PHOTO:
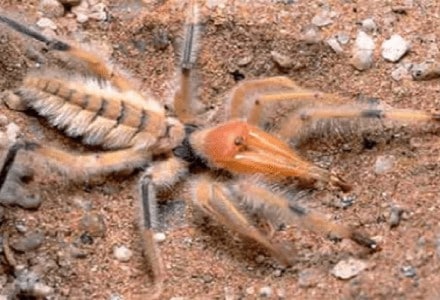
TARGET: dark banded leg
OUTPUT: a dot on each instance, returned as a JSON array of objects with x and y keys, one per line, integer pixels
[
  {"x": 184, "y": 96},
  {"x": 95, "y": 64},
  {"x": 148, "y": 228},
  {"x": 160, "y": 175}
]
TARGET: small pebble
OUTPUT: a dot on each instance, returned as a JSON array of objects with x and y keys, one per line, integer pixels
[
  {"x": 362, "y": 53},
  {"x": 46, "y": 23},
  {"x": 31, "y": 241},
  {"x": 266, "y": 292},
  {"x": 384, "y": 164},
  {"x": 259, "y": 259},
  {"x": 116, "y": 297},
  {"x": 334, "y": 44},
  {"x": 394, "y": 48},
  {"x": 395, "y": 216},
  {"x": 159, "y": 237},
  {"x": 322, "y": 19},
  {"x": 81, "y": 18},
  {"x": 308, "y": 278},
  {"x": 94, "y": 224},
  {"x": 41, "y": 290},
  {"x": 281, "y": 60},
  {"x": 51, "y": 8},
  {"x": 368, "y": 25},
  {"x": 409, "y": 271},
  {"x": 229, "y": 293},
  {"x": 311, "y": 35},
  {"x": 250, "y": 290},
  {"x": 29, "y": 201},
  {"x": 349, "y": 268},
  {"x": 399, "y": 73},
  {"x": 122, "y": 253},
  {"x": 244, "y": 61},
  {"x": 343, "y": 38},
  {"x": 12, "y": 131}
]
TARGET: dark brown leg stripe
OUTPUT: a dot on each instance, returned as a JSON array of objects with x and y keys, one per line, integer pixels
[
  {"x": 146, "y": 207},
  {"x": 85, "y": 102},
  {"x": 10, "y": 158},
  {"x": 143, "y": 121},
  {"x": 363, "y": 240},
  {"x": 122, "y": 114},
  {"x": 373, "y": 113}
]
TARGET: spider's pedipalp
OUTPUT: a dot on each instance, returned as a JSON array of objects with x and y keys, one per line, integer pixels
[
  {"x": 241, "y": 148},
  {"x": 217, "y": 201}
]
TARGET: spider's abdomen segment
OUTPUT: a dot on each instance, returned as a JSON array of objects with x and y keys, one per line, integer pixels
[{"x": 96, "y": 112}]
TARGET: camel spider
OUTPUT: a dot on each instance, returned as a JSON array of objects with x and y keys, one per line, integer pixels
[{"x": 105, "y": 110}]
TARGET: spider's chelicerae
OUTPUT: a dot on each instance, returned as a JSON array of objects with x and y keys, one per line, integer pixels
[{"x": 137, "y": 132}]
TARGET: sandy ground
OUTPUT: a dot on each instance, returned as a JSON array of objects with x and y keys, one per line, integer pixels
[{"x": 204, "y": 260}]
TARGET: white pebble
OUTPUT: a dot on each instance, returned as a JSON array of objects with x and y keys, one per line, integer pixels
[
  {"x": 159, "y": 237},
  {"x": 81, "y": 18},
  {"x": 322, "y": 19},
  {"x": 46, "y": 23},
  {"x": 395, "y": 48},
  {"x": 334, "y": 44},
  {"x": 122, "y": 253},
  {"x": 384, "y": 164},
  {"x": 12, "y": 131},
  {"x": 349, "y": 268},
  {"x": 363, "y": 50},
  {"x": 368, "y": 25},
  {"x": 343, "y": 38},
  {"x": 51, "y": 8},
  {"x": 266, "y": 291}
]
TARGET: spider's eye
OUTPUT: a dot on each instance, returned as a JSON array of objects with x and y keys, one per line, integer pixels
[{"x": 239, "y": 140}]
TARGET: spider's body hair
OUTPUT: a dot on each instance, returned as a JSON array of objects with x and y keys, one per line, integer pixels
[{"x": 95, "y": 111}]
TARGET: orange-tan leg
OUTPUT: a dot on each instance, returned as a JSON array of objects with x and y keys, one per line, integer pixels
[
  {"x": 306, "y": 115},
  {"x": 249, "y": 98},
  {"x": 276, "y": 205},
  {"x": 80, "y": 166},
  {"x": 216, "y": 201}
]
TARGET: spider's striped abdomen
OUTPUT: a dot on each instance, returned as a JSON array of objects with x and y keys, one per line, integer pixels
[{"x": 97, "y": 112}]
